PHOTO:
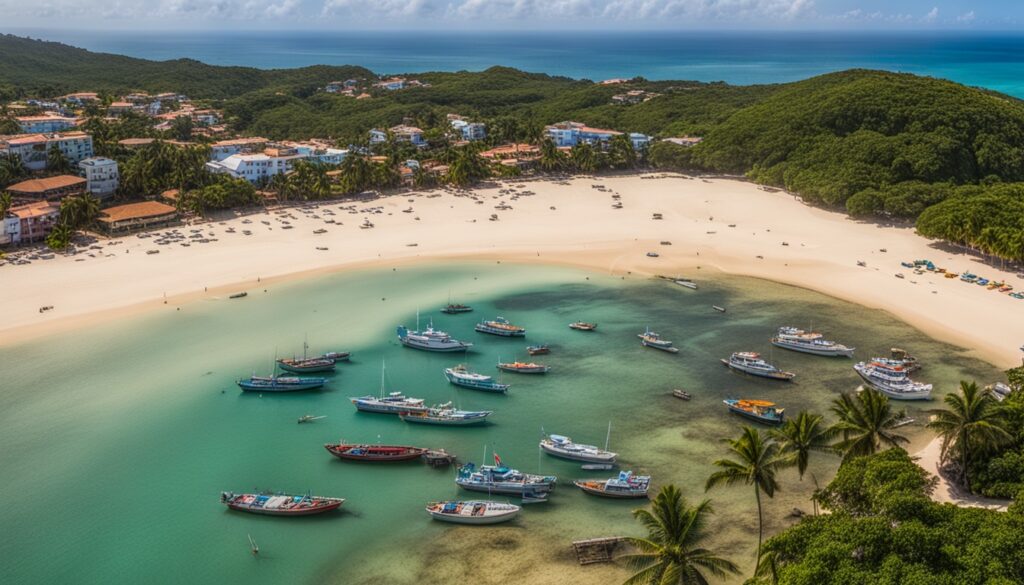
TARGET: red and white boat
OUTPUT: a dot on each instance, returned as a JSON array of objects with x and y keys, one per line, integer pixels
[
  {"x": 280, "y": 504},
  {"x": 353, "y": 452}
]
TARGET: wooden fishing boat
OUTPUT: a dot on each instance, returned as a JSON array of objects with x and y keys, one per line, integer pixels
[
  {"x": 583, "y": 326},
  {"x": 523, "y": 367},
  {"x": 538, "y": 349},
  {"x": 681, "y": 394},
  {"x": 626, "y": 485},
  {"x": 476, "y": 512},
  {"x": 761, "y": 411},
  {"x": 375, "y": 453},
  {"x": 270, "y": 504},
  {"x": 455, "y": 308}
]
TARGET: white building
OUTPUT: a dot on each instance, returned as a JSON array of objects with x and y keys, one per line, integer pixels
[
  {"x": 45, "y": 123},
  {"x": 10, "y": 229},
  {"x": 319, "y": 153},
  {"x": 101, "y": 176},
  {"x": 34, "y": 148},
  {"x": 573, "y": 133},
  {"x": 225, "y": 148},
  {"x": 256, "y": 168},
  {"x": 470, "y": 130}
]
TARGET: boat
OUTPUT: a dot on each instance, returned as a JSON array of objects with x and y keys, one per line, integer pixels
[
  {"x": 718, "y": 308},
  {"x": 910, "y": 363},
  {"x": 277, "y": 383},
  {"x": 240, "y": 295},
  {"x": 596, "y": 466},
  {"x": 564, "y": 448},
  {"x": 626, "y": 485},
  {"x": 309, "y": 418},
  {"x": 455, "y": 308},
  {"x": 538, "y": 349},
  {"x": 651, "y": 339},
  {"x": 750, "y": 362},
  {"x": 523, "y": 367},
  {"x": 431, "y": 339},
  {"x": 681, "y": 394},
  {"x": 501, "y": 327},
  {"x": 270, "y": 504},
  {"x": 761, "y": 411},
  {"x": 253, "y": 547},
  {"x": 653, "y": 254},
  {"x": 891, "y": 378},
  {"x": 306, "y": 365},
  {"x": 686, "y": 283},
  {"x": 379, "y": 453},
  {"x": 445, "y": 415},
  {"x": 461, "y": 376},
  {"x": 337, "y": 356},
  {"x": 475, "y": 512},
  {"x": 809, "y": 342},
  {"x": 583, "y": 326},
  {"x": 393, "y": 403},
  {"x": 1001, "y": 390},
  {"x": 498, "y": 479}
]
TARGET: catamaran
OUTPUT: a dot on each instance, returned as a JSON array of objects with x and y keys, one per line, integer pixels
[
  {"x": 476, "y": 512},
  {"x": 563, "y": 447},
  {"x": 890, "y": 377},
  {"x": 279, "y": 504},
  {"x": 626, "y": 485},
  {"x": 761, "y": 411},
  {"x": 277, "y": 383},
  {"x": 809, "y": 342},
  {"x": 498, "y": 479},
  {"x": 444, "y": 414},
  {"x": 500, "y": 327},
  {"x": 651, "y": 339},
  {"x": 750, "y": 362},
  {"x": 461, "y": 376}
]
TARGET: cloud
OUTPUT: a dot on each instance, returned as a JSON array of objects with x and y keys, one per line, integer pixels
[
  {"x": 966, "y": 17},
  {"x": 932, "y": 15}
]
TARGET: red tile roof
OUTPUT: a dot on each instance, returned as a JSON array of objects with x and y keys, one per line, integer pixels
[{"x": 47, "y": 184}]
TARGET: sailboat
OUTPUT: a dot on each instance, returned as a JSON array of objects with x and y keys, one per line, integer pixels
[
  {"x": 392, "y": 403},
  {"x": 306, "y": 365},
  {"x": 455, "y": 308},
  {"x": 563, "y": 447}
]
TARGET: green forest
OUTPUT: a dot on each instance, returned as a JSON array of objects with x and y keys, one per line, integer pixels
[{"x": 878, "y": 145}]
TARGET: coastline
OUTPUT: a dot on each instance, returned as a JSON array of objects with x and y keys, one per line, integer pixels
[
  {"x": 945, "y": 491},
  {"x": 714, "y": 225}
]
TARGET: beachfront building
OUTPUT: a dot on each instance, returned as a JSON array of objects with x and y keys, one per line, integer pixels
[
  {"x": 318, "y": 152},
  {"x": 519, "y": 155},
  {"x": 470, "y": 131},
  {"x": 639, "y": 141},
  {"x": 225, "y": 148},
  {"x": 257, "y": 167},
  {"x": 9, "y": 229},
  {"x": 35, "y": 220},
  {"x": 131, "y": 217},
  {"x": 100, "y": 175},
  {"x": 45, "y": 124},
  {"x": 47, "y": 189},
  {"x": 400, "y": 133},
  {"x": 569, "y": 134}
]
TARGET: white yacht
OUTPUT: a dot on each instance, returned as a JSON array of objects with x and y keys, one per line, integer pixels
[
  {"x": 890, "y": 378},
  {"x": 809, "y": 342}
]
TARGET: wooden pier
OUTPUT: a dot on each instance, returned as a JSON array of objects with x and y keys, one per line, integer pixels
[{"x": 596, "y": 550}]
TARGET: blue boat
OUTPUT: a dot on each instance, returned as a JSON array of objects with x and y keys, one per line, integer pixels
[
  {"x": 761, "y": 411},
  {"x": 280, "y": 383},
  {"x": 460, "y": 376}
]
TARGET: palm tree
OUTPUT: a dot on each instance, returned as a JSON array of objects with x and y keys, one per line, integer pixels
[
  {"x": 802, "y": 435},
  {"x": 12, "y": 167},
  {"x": 59, "y": 237},
  {"x": 551, "y": 158},
  {"x": 584, "y": 158},
  {"x": 56, "y": 161},
  {"x": 971, "y": 425},
  {"x": 671, "y": 553},
  {"x": 757, "y": 460},
  {"x": 621, "y": 153},
  {"x": 866, "y": 423},
  {"x": 5, "y": 203}
]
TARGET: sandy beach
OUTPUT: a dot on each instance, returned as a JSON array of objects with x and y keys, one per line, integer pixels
[{"x": 707, "y": 226}]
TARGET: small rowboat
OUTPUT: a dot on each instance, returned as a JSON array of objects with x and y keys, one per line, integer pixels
[
  {"x": 717, "y": 308},
  {"x": 240, "y": 295},
  {"x": 583, "y": 326},
  {"x": 681, "y": 394},
  {"x": 538, "y": 349},
  {"x": 473, "y": 512},
  {"x": 523, "y": 368},
  {"x": 380, "y": 453},
  {"x": 309, "y": 418},
  {"x": 270, "y": 504}
]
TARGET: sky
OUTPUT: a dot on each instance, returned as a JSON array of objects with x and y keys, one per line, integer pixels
[{"x": 513, "y": 14}]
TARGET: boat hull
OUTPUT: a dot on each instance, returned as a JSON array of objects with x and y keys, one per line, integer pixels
[
  {"x": 458, "y": 422},
  {"x": 509, "y": 489},
  {"x": 664, "y": 348},
  {"x": 438, "y": 348},
  {"x": 754, "y": 417},
  {"x": 305, "y": 369},
  {"x": 572, "y": 456},
  {"x": 895, "y": 394},
  {"x": 844, "y": 352},
  {"x": 500, "y": 332},
  {"x": 385, "y": 409},
  {"x": 247, "y": 387},
  {"x": 404, "y": 456},
  {"x": 497, "y": 518},
  {"x": 540, "y": 370},
  {"x": 595, "y": 491},
  {"x": 301, "y": 512},
  {"x": 490, "y": 386},
  {"x": 780, "y": 376}
]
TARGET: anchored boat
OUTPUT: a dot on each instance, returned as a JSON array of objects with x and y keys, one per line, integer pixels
[
  {"x": 523, "y": 367},
  {"x": 461, "y": 376},
  {"x": 393, "y": 403},
  {"x": 891, "y": 378},
  {"x": 538, "y": 349},
  {"x": 583, "y": 326},
  {"x": 280, "y": 383},
  {"x": 626, "y": 485},
  {"x": 446, "y": 415},
  {"x": 761, "y": 411},
  {"x": 431, "y": 339},
  {"x": 750, "y": 362},
  {"x": 280, "y": 504},
  {"x": 809, "y": 342},
  {"x": 306, "y": 365},
  {"x": 498, "y": 479},
  {"x": 564, "y": 448},
  {"x": 475, "y": 512},
  {"x": 377, "y": 453},
  {"x": 455, "y": 308},
  {"x": 651, "y": 339},
  {"x": 500, "y": 327}
]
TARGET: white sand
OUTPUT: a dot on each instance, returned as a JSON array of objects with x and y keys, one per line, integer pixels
[
  {"x": 583, "y": 230},
  {"x": 946, "y": 492}
]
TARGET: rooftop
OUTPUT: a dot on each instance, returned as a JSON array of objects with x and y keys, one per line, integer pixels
[
  {"x": 140, "y": 210},
  {"x": 240, "y": 141},
  {"x": 35, "y": 209},
  {"x": 45, "y": 118},
  {"x": 47, "y": 184},
  {"x": 96, "y": 161}
]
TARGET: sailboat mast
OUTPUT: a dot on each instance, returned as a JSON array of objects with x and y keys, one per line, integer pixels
[
  {"x": 382, "y": 379},
  {"x": 608, "y": 436}
]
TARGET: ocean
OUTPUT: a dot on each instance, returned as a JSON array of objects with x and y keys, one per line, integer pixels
[
  {"x": 119, "y": 438},
  {"x": 991, "y": 60}
]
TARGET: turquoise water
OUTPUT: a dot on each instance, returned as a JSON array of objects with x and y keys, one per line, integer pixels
[
  {"x": 988, "y": 59},
  {"x": 118, "y": 439}
]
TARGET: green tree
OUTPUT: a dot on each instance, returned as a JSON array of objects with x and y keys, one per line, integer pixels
[
  {"x": 80, "y": 210},
  {"x": 756, "y": 461},
  {"x": 621, "y": 153},
  {"x": 56, "y": 161},
  {"x": 584, "y": 158},
  {"x": 672, "y": 554},
  {"x": 467, "y": 167},
  {"x": 11, "y": 168},
  {"x": 356, "y": 173},
  {"x": 971, "y": 425},
  {"x": 551, "y": 159},
  {"x": 799, "y": 437},
  {"x": 866, "y": 423},
  {"x": 59, "y": 237},
  {"x": 5, "y": 203}
]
